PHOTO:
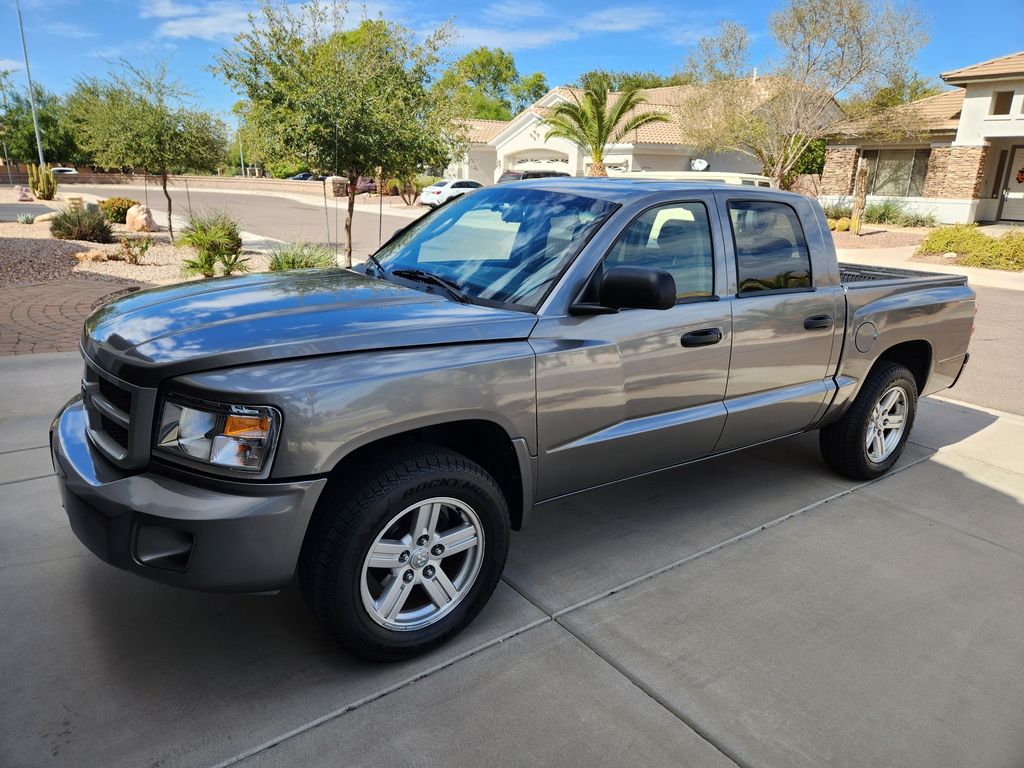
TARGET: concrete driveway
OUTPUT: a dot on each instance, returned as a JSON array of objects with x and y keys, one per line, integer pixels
[{"x": 753, "y": 610}]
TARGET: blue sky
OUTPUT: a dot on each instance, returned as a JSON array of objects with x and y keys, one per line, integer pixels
[{"x": 70, "y": 38}]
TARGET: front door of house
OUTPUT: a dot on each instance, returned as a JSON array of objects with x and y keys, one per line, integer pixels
[{"x": 1013, "y": 194}]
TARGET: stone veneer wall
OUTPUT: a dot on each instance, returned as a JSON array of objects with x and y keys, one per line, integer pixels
[
  {"x": 840, "y": 169},
  {"x": 955, "y": 172}
]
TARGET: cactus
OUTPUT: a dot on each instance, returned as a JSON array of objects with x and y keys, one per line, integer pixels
[{"x": 42, "y": 182}]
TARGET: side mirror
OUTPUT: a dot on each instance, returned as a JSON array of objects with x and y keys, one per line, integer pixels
[{"x": 637, "y": 288}]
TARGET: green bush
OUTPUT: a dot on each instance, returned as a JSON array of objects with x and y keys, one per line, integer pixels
[
  {"x": 133, "y": 250},
  {"x": 885, "y": 212},
  {"x": 284, "y": 169},
  {"x": 831, "y": 224},
  {"x": 81, "y": 225},
  {"x": 975, "y": 248},
  {"x": 911, "y": 219},
  {"x": 26, "y": 218},
  {"x": 116, "y": 208},
  {"x": 843, "y": 224},
  {"x": 217, "y": 242},
  {"x": 838, "y": 211},
  {"x": 302, "y": 256}
]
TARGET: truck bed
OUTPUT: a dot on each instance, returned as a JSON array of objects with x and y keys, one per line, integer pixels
[{"x": 852, "y": 274}]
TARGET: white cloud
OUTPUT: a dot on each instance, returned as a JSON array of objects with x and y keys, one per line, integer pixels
[
  {"x": 69, "y": 31},
  {"x": 215, "y": 23},
  {"x": 167, "y": 9},
  {"x": 10, "y": 65},
  {"x": 502, "y": 14},
  {"x": 512, "y": 39},
  {"x": 623, "y": 19}
]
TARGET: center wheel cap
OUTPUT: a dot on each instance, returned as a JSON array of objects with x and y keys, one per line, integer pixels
[{"x": 419, "y": 558}]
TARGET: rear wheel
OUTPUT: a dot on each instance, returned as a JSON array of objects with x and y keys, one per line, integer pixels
[
  {"x": 402, "y": 561},
  {"x": 870, "y": 437}
]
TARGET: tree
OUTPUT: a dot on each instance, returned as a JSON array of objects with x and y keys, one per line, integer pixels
[
  {"x": 595, "y": 121},
  {"x": 827, "y": 50},
  {"x": 59, "y": 144},
  {"x": 616, "y": 80},
  {"x": 350, "y": 103},
  {"x": 898, "y": 88},
  {"x": 139, "y": 119},
  {"x": 486, "y": 84}
]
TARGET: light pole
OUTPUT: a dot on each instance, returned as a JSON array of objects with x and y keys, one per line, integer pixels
[
  {"x": 241, "y": 157},
  {"x": 7, "y": 160},
  {"x": 31, "y": 94}
]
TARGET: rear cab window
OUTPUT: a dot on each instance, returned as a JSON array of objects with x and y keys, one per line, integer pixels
[{"x": 771, "y": 250}]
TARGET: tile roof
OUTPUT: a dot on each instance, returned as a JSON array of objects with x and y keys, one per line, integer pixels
[
  {"x": 932, "y": 114},
  {"x": 481, "y": 131},
  {"x": 1013, "y": 64}
]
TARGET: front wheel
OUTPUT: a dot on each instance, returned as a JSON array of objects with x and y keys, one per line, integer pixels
[
  {"x": 402, "y": 561},
  {"x": 869, "y": 438}
]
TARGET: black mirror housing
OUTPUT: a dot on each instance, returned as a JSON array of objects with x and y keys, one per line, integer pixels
[{"x": 637, "y": 288}]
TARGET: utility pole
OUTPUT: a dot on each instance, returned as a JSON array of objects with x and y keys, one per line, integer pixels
[
  {"x": 241, "y": 157},
  {"x": 31, "y": 94},
  {"x": 7, "y": 160}
]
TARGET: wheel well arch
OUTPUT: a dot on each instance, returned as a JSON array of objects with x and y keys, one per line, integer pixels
[
  {"x": 485, "y": 442},
  {"x": 915, "y": 355}
]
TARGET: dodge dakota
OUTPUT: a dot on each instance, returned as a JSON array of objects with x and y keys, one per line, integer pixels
[{"x": 377, "y": 432}]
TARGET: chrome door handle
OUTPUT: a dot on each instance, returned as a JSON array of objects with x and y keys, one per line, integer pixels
[
  {"x": 818, "y": 321},
  {"x": 702, "y": 337}
]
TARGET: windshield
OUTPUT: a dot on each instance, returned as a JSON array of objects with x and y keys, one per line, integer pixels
[{"x": 499, "y": 244}]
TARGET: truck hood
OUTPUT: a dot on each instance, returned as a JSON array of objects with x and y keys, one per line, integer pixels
[{"x": 147, "y": 336}]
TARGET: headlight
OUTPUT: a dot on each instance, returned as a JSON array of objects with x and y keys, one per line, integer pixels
[{"x": 238, "y": 437}]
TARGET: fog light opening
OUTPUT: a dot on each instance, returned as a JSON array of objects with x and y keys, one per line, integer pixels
[{"x": 166, "y": 548}]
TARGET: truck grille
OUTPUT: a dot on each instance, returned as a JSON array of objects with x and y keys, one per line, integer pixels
[{"x": 120, "y": 416}]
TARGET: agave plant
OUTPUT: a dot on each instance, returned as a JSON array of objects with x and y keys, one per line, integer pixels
[{"x": 595, "y": 121}]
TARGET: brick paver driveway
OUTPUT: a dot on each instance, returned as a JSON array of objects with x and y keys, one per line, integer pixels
[{"x": 47, "y": 317}]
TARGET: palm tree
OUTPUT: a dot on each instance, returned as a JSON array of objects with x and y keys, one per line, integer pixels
[{"x": 593, "y": 123}]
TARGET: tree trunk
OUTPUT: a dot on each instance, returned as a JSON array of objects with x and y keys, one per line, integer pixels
[
  {"x": 860, "y": 197},
  {"x": 352, "y": 181},
  {"x": 170, "y": 225},
  {"x": 597, "y": 169}
]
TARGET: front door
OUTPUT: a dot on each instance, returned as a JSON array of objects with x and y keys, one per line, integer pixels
[
  {"x": 1013, "y": 193},
  {"x": 623, "y": 394}
]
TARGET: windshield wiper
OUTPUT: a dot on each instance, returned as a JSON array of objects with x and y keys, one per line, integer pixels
[
  {"x": 380, "y": 268},
  {"x": 422, "y": 276}
]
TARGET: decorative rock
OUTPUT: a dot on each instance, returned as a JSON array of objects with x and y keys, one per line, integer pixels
[
  {"x": 93, "y": 255},
  {"x": 47, "y": 216},
  {"x": 24, "y": 195},
  {"x": 946, "y": 255},
  {"x": 140, "y": 219}
]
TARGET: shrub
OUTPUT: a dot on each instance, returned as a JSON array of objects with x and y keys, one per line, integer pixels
[
  {"x": 838, "y": 211},
  {"x": 831, "y": 224},
  {"x": 884, "y": 212},
  {"x": 302, "y": 256},
  {"x": 81, "y": 225},
  {"x": 975, "y": 248},
  {"x": 133, "y": 250},
  {"x": 911, "y": 219},
  {"x": 843, "y": 224},
  {"x": 216, "y": 240},
  {"x": 283, "y": 169},
  {"x": 26, "y": 218},
  {"x": 41, "y": 182},
  {"x": 116, "y": 208}
]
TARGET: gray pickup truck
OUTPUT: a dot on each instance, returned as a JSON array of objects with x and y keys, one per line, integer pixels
[{"x": 379, "y": 431}]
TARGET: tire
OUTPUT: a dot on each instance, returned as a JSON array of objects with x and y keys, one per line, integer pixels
[
  {"x": 845, "y": 444},
  {"x": 395, "y": 611}
]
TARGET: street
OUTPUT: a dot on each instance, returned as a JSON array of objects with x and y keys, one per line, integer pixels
[{"x": 280, "y": 218}]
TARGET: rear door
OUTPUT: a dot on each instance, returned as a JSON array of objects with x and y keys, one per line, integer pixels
[
  {"x": 623, "y": 394},
  {"x": 784, "y": 317}
]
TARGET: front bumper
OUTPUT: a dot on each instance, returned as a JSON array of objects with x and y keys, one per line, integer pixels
[{"x": 214, "y": 535}]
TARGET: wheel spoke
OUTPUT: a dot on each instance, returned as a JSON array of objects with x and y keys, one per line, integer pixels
[
  {"x": 440, "y": 588},
  {"x": 870, "y": 439},
  {"x": 895, "y": 421},
  {"x": 426, "y": 520},
  {"x": 878, "y": 448},
  {"x": 391, "y": 600},
  {"x": 457, "y": 540},
  {"x": 385, "y": 554},
  {"x": 889, "y": 400}
]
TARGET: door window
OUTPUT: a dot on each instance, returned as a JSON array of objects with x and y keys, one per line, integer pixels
[
  {"x": 676, "y": 238},
  {"x": 771, "y": 252}
]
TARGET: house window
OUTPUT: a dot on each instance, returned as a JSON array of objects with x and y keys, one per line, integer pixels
[
  {"x": 1001, "y": 101},
  {"x": 897, "y": 172}
]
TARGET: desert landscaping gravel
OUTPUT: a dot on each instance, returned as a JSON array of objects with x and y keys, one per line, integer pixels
[{"x": 874, "y": 237}]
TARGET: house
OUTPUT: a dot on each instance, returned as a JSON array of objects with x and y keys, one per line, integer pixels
[
  {"x": 964, "y": 161},
  {"x": 519, "y": 144}
]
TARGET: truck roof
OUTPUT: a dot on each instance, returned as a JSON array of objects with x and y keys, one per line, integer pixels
[{"x": 620, "y": 190}]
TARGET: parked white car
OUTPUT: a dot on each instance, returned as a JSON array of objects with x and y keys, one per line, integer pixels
[
  {"x": 443, "y": 191},
  {"x": 61, "y": 171}
]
